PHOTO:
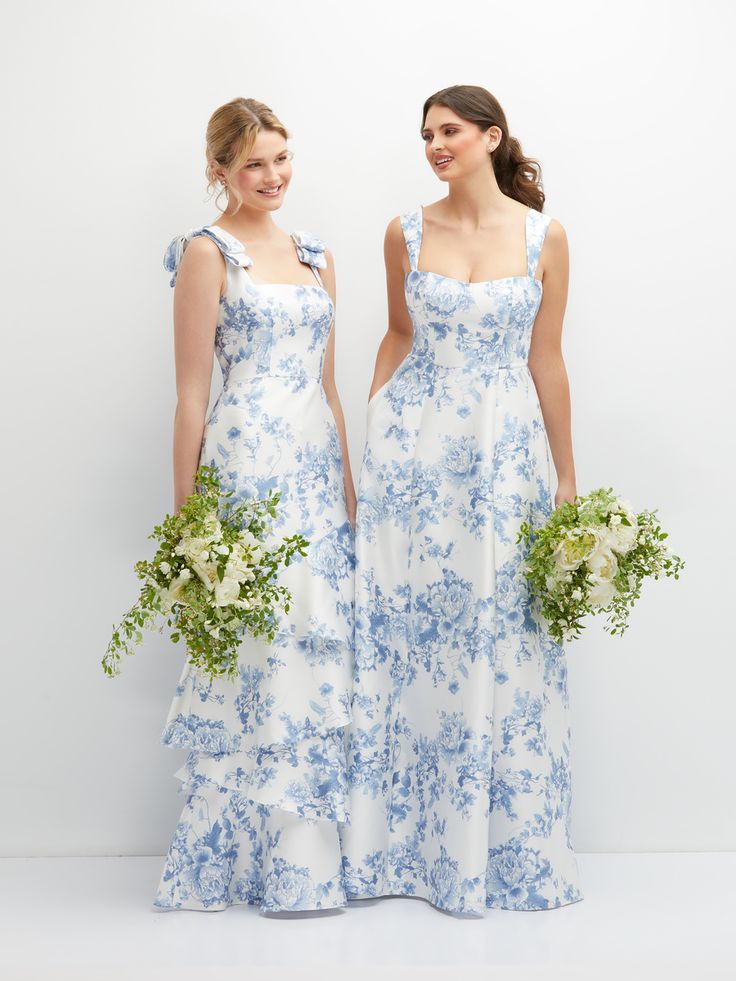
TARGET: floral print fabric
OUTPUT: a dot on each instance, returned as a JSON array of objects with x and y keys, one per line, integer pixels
[
  {"x": 458, "y": 754},
  {"x": 265, "y": 775}
]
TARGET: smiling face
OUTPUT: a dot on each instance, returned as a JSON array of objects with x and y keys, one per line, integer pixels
[
  {"x": 265, "y": 175},
  {"x": 456, "y": 147}
]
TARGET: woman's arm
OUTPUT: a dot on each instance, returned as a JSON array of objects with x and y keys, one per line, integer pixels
[
  {"x": 199, "y": 283},
  {"x": 333, "y": 399},
  {"x": 399, "y": 336},
  {"x": 546, "y": 363}
]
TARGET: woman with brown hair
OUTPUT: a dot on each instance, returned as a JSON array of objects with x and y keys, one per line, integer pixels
[
  {"x": 265, "y": 774},
  {"x": 459, "y": 746}
]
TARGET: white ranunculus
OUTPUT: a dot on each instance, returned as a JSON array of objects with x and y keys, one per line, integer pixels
[
  {"x": 165, "y": 568},
  {"x": 193, "y": 549}
]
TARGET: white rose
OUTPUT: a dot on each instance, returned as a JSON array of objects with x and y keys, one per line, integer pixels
[
  {"x": 213, "y": 527},
  {"x": 573, "y": 549},
  {"x": 564, "y": 555},
  {"x": 207, "y": 572},
  {"x": 174, "y": 592},
  {"x": 624, "y": 537},
  {"x": 165, "y": 568},
  {"x": 605, "y": 539},
  {"x": 603, "y": 563},
  {"x": 601, "y": 592},
  {"x": 227, "y": 591}
]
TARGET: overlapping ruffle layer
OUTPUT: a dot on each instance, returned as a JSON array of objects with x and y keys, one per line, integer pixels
[
  {"x": 307, "y": 777},
  {"x": 228, "y": 849}
]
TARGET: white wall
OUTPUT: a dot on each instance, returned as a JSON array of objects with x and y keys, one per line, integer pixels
[{"x": 628, "y": 110}]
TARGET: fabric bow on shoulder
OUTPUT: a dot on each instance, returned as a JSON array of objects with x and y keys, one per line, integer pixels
[
  {"x": 310, "y": 249},
  {"x": 232, "y": 249}
]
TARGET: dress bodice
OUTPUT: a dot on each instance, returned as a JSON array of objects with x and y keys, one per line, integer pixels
[
  {"x": 482, "y": 325},
  {"x": 266, "y": 329}
]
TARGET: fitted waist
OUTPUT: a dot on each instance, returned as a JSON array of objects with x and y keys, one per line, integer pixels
[
  {"x": 462, "y": 362},
  {"x": 245, "y": 373}
]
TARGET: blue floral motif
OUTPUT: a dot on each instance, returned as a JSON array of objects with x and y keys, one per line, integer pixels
[
  {"x": 458, "y": 755},
  {"x": 266, "y": 767},
  {"x": 209, "y": 736},
  {"x": 333, "y": 556}
]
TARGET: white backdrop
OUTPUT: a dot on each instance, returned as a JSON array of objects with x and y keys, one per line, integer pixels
[{"x": 105, "y": 108}]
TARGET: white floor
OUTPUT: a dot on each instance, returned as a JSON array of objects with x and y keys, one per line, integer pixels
[{"x": 644, "y": 915}]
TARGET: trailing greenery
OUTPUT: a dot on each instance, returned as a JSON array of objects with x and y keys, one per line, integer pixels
[
  {"x": 592, "y": 556},
  {"x": 212, "y": 579}
]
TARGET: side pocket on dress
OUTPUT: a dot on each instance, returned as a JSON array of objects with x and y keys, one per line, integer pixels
[{"x": 379, "y": 391}]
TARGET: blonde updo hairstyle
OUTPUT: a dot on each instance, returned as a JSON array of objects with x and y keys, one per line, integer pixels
[{"x": 231, "y": 133}]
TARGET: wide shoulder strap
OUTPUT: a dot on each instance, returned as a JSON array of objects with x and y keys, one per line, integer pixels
[
  {"x": 411, "y": 226},
  {"x": 232, "y": 248},
  {"x": 537, "y": 225}
]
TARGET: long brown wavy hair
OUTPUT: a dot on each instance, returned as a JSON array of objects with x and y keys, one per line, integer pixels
[{"x": 517, "y": 175}]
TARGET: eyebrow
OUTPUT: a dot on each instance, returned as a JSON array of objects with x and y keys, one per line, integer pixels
[
  {"x": 428, "y": 130},
  {"x": 260, "y": 159}
]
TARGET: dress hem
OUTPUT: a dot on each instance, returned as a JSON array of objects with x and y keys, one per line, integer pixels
[{"x": 476, "y": 910}]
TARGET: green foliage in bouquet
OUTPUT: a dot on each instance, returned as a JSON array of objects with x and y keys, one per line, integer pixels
[
  {"x": 592, "y": 556},
  {"x": 211, "y": 578}
]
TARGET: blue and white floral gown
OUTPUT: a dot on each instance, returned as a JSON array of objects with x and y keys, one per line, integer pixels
[
  {"x": 459, "y": 749},
  {"x": 265, "y": 775}
]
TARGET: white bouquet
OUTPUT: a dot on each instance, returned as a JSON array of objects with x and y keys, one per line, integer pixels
[
  {"x": 591, "y": 556},
  {"x": 212, "y": 579}
]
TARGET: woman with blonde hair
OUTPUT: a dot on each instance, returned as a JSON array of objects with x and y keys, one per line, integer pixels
[
  {"x": 265, "y": 773},
  {"x": 459, "y": 748}
]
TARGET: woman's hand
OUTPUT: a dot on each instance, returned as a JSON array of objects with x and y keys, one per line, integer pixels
[
  {"x": 566, "y": 491},
  {"x": 352, "y": 503}
]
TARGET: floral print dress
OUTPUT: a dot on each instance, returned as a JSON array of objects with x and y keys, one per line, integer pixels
[
  {"x": 265, "y": 773},
  {"x": 460, "y": 742}
]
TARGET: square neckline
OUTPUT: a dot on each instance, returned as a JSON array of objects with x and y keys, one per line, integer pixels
[
  {"x": 478, "y": 282},
  {"x": 252, "y": 282}
]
